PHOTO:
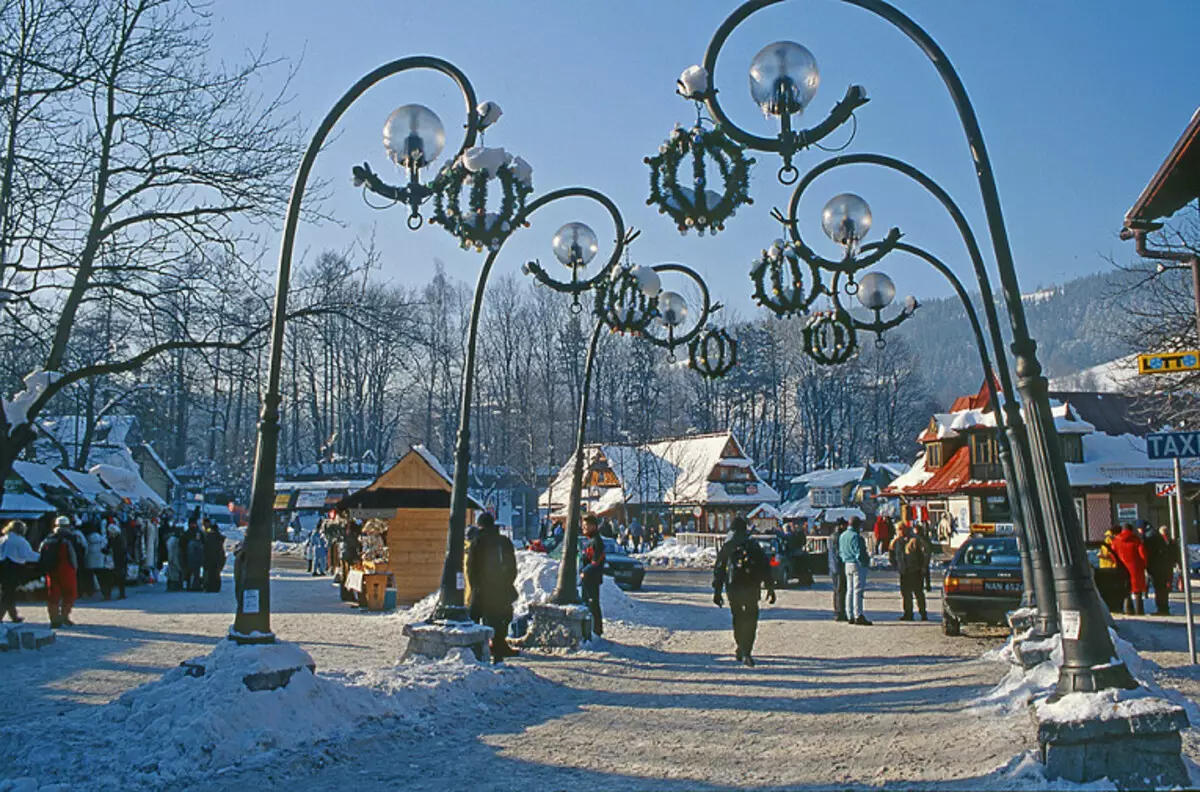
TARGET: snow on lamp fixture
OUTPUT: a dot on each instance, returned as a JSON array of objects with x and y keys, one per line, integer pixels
[
  {"x": 648, "y": 280},
  {"x": 783, "y": 78}
]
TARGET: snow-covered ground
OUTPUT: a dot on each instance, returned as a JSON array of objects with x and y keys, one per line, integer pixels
[
  {"x": 657, "y": 704},
  {"x": 672, "y": 554}
]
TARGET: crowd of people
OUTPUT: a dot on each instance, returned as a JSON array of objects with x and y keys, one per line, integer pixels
[
  {"x": 1129, "y": 556},
  {"x": 97, "y": 555}
]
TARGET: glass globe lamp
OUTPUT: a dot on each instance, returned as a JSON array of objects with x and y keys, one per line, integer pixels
[
  {"x": 846, "y": 219},
  {"x": 413, "y": 136},
  {"x": 648, "y": 280},
  {"x": 876, "y": 291},
  {"x": 575, "y": 245},
  {"x": 672, "y": 308},
  {"x": 783, "y": 78}
]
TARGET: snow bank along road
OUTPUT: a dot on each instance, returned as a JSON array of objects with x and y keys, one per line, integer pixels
[{"x": 657, "y": 705}]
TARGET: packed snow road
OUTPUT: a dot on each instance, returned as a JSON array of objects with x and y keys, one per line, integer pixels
[{"x": 662, "y": 705}]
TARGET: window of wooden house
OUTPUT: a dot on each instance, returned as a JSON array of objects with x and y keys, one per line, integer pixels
[
  {"x": 731, "y": 473},
  {"x": 983, "y": 448},
  {"x": 826, "y": 497},
  {"x": 1072, "y": 448},
  {"x": 934, "y": 455}
]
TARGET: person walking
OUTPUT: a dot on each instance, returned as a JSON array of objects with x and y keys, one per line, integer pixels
[
  {"x": 214, "y": 557},
  {"x": 61, "y": 563},
  {"x": 591, "y": 573},
  {"x": 95, "y": 562},
  {"x": 922, "y": 535},
  {"x": 351, "y": 554},
  {"x": 912, "y": 562},
  {"x": 320, "y": 553},
  {"x": 16, "y": 556},
  {"x": 175, "y": 551},
  {"x": 882, "y": 533},
  {"x": 195, "y": 560},
  {"x": 116, "y": 561},
  {"x": 853, "y": 552},
  {"x": 742, "y": 571},
  {"x": 837, "y": 572},
  {"x": 1161, "y": 560},
  {"x": 492, "y": 570},
  {"x": 637, "y": 533},
  {"x": 1131, "y": 552}
]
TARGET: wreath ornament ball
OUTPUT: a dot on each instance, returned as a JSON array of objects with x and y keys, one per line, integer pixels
[
  {"x": 687, "y": 200},
  {"x": 830, "y": 338},
  {"x": 713, "y": 353},
  {"x": 461, "y": 190}
]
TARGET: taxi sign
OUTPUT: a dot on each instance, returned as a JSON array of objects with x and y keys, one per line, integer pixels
[
  {"x": 1164, "y": 490},
  {"x": 1173, "y": 445},
  {"x": 1169, "y": 362}
]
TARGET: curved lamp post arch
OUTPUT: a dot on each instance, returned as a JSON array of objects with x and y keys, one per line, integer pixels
[
  {"x": 252, "y": 623},
  {"x": 1088, "y": 651},
  {"x": 1028, "y": 513},
  {"x": 451, "y": 605}
]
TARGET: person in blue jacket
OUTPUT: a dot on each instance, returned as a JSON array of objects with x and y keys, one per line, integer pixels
[{"x": 852, "y": 550}]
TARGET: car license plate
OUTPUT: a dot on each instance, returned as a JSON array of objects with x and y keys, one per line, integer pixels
[{"x": 1001, "y": 585}]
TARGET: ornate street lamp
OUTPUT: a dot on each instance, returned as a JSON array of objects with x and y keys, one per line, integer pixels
[
  {"x": 1088, "y": 652},
  {"x": 414, "y": 137}
]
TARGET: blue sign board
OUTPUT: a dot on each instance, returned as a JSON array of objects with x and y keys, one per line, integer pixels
[{"x": 1173, "y": 445}]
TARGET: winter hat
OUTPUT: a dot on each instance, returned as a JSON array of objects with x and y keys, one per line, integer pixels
[{"x": 63, "y": 522}]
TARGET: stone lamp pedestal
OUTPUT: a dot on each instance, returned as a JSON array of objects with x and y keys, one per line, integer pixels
[
  {"x": 1133, "y": 742},
  {"x": 558, "y": 626},
  {"x": 434, "y": 641}
]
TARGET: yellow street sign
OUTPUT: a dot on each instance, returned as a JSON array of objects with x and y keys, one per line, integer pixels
[{"x": 1169, "y": 362}]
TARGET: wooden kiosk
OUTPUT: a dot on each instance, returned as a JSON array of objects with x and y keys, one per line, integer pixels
[{"x": 413, "y": 498}]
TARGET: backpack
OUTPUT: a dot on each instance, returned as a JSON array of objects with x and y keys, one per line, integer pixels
[{"x": 741, "y": 569}]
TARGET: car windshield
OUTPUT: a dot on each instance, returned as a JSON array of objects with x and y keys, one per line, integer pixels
[
  {"x": 991, "y": 552},
  {"x": 610, "y": 548},
  {"x": 767, "y": 544}
]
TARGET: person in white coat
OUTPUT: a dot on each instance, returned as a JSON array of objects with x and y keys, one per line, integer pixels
[
  {"x": 94, "y": 560},
  {"x": 16, "y": 558}
]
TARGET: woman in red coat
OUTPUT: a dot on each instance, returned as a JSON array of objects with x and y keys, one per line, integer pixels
[{"x": 1132, "y": 555}]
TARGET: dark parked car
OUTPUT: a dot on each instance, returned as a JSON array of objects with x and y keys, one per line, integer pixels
[
  {"x": 625, "y": 571},
  {"x": 777, "y": 557},
  {"x": 982, "y": 584}
]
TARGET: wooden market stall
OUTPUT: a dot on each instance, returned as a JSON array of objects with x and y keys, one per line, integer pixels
[{"x": 412, "y": 498}]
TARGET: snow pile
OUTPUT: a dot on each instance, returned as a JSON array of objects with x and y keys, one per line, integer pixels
[
  {"x": 1025, "y": 771},
  {"x": 1021, "y": 686},
  {"x": 288, "y": 549},
  {"x": 182, "y": 728},
  {"x": 672, "y": 554},
  {"x": 537, "y": 575}
]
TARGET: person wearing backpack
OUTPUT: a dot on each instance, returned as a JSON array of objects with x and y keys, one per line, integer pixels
[
  {"x": 742, "y": 570},
  {"x": 853, "y": 552}
]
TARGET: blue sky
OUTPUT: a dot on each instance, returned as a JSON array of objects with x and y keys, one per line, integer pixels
[{"x": 1079, "y": 104}]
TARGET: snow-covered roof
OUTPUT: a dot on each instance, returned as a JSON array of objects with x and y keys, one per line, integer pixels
[
  {"x": 893, "y": 468},
  {"x": 90, "y": 486},
  {"x": 828, "y": 479},
  {"x": 128, "y": 484},
  {"x": 149, "y": 449},
  {"x": 41, "y": 478},
  {"x": 765, "y": 511},
  {"x": 675, "y": 471},
  {"x": 22, "y": 505},
  {"x": 951, "y": 424},
  {"x": 915, "y": 476},
  {"x": 110, "y": 430},
  {"x": 1122, "y": 459},
  {"x": 330, "y": 484},
  {"x": 432, "y": 461}
]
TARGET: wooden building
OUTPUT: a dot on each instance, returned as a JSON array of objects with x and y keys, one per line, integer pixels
[{"x": 413, "y": 498}]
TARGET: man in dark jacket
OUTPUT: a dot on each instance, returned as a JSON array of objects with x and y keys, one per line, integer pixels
[
  {"x": 214, "y": 557},
  {"x": 911, "y": 558},
  {"x": 1161, "y": 558},
  {"x": 591, "y": 573},
  {"x": 742, "y": 570},
  {"x": 492, "y": 570}
]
